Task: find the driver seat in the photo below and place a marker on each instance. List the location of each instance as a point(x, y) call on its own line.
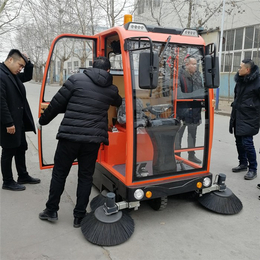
point(140, 116)
point(162, 132)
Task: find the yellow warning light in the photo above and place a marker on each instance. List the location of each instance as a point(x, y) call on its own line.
point(199, 185)
point(148, 194)
point(127, 18)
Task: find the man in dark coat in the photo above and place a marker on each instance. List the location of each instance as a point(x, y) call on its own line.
point(16, 118)
point(190, 80)
point(85, 99)
point(245, 115)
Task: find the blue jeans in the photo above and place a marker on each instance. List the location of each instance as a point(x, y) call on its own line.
point(246, 151)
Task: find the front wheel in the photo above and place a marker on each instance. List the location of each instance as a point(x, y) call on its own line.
point(159, 203)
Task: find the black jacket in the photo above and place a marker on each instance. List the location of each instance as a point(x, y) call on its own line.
point(85, 99)
point(14, 107)
point(189, 112)
point(245, 113)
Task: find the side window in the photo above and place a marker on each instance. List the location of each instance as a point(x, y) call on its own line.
point(113, 52)
point(69, 56)
point(116, 63)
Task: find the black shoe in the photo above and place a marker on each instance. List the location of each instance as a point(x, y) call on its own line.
point(193, 158)
point(28, 180)
point(240, 168)
point(77, 222)
point(250, 175)
point(258, 186)
point(49, 215)
point(13, 186)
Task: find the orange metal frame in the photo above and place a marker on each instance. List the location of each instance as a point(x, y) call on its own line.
point(41, 101)
point(123, 140)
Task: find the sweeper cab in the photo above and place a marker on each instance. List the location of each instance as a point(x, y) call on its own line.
point(142, 161)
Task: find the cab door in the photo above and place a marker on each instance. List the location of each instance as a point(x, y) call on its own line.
point(68, 54)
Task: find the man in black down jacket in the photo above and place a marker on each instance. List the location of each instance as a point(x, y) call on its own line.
point(16, 119)
point(245, 116)
point(189, 81)
point(85, 99)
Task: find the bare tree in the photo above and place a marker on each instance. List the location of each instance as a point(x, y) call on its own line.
point(87, 15)
point(31, 42)
point(9, 12)
point(50, 18)
point(114, 10)
point(186, 13)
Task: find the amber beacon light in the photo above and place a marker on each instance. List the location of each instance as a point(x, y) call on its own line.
point(127, 18)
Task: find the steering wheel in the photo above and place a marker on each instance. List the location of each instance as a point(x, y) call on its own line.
point(157, 109)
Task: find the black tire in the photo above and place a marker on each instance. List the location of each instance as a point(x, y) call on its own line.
point(159, 203)
point(193, 196)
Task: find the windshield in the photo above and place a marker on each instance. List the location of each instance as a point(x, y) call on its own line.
point(170, 119)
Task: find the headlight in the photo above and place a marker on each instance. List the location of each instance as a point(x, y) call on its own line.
point(206, 182)
point(138, 194)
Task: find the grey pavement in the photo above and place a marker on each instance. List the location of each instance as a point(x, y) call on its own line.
point(183, 231)
point(224, 106)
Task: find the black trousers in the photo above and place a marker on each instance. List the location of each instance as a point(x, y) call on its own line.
point(19, 156)
point(192, 132)
point(65, 154)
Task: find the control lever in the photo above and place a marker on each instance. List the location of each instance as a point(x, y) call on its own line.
point(114, 129)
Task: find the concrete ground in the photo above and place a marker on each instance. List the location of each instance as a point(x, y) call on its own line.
point(183, 231)
point(224, 106)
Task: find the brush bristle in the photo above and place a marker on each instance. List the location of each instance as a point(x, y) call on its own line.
point(107, 234)
point(229, 205)
point(97, 201)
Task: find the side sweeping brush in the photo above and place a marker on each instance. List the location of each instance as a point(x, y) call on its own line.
point(106, 226)
point(222, 201)
point(98, 201)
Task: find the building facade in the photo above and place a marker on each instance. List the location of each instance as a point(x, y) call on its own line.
point(241, 30)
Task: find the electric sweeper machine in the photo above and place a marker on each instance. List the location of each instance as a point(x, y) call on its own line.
point(148, 156)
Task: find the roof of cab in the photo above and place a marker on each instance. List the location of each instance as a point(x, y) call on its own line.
point(158, 34)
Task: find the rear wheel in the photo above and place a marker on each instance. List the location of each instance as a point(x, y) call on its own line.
point(159, 203)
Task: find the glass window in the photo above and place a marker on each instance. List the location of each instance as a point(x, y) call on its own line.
point(228, 62)
point(256, 57)
point(230, 40)
point(73, 49)
point(222, 62)
point(224, 41)
point(237, 61)
point(247, 40)
point(58, 65)
point(163, 146)
point(247, 54)
point(257, 37)
point(249, 37)
point(239, 39)
point(116, 61)
point(69, 66)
